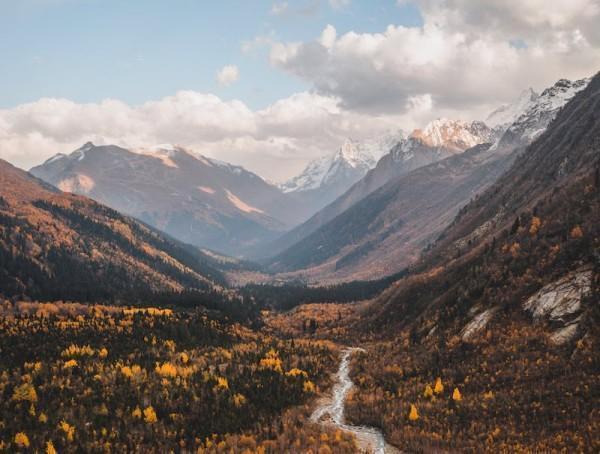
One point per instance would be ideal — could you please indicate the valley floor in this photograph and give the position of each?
(100, 378)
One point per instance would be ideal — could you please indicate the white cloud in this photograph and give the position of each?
(279, 8)
(328, 36)
(461, 63)
(463, 57)
(275, 142)
(227, 75)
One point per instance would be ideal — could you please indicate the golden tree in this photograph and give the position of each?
(413, 414)
(456, 396)
(22, 440)
(439, 387)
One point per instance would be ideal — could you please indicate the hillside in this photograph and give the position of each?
(503, 310)
(440, 139)
(55, 245)
(197, 200)
(386, 230)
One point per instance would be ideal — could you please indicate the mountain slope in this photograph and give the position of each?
(402, 216)
(503, 310)
(195, 199)
(537, 223)
(325, 179)
(63, 246)
(344, 167)
(440, 139)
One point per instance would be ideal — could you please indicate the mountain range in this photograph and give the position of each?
(365, 210)
(198, 200)
(381, 224)
(56, 245)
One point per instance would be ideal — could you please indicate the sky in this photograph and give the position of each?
(271, 84)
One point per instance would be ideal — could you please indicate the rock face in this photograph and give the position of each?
(477, 323)
(560, 303)
(561, 299)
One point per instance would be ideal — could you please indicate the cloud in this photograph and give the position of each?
(467, 56)
(279, 8)
(275, 142)
(227, 75)
(339, 4)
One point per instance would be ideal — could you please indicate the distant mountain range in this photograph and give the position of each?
(227, 209)
(198, 200)
(381, 224)
(527, 244)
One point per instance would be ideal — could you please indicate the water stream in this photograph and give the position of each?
(331, 411)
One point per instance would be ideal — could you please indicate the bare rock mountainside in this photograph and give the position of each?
(55, 245)
(195, 199)
(377, 228)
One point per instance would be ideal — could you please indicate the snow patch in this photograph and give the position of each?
(56, 157)
(241, 205)
(206, 189)
(539, 112)
(455, 135)
(360, 155)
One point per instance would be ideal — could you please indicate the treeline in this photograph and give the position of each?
(288, 296)
(109, 262)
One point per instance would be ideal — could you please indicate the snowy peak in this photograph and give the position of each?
(454, 135)
(504, 116)
(540, 112)
(345, 166)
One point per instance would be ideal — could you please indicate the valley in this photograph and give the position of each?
(437, 291)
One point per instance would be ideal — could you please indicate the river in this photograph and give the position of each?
(330, 411)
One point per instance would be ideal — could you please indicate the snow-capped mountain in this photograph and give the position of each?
(453, 135)
(505, 115)
(539, 112)
(345, 166)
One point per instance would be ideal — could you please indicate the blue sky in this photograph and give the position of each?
(137, 73)
(134, 50)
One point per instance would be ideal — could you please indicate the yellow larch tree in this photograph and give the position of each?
(439, 387)
(413, 414)
(456, 396)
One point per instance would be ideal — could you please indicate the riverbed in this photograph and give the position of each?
(330, 411)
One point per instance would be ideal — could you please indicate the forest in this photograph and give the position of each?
(94, 378)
